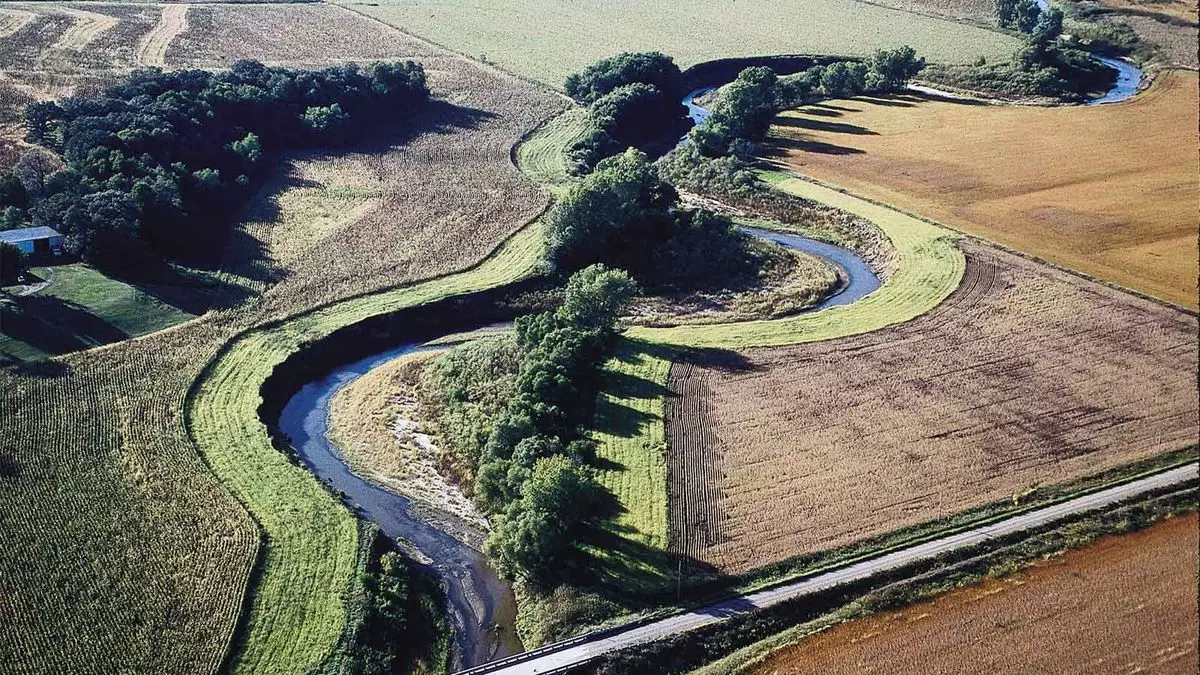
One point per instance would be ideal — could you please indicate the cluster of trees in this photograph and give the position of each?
(632, 99)
(157, 164)
(1044, 66)
(1022, 15)
(744, 108)
(624, 214)
(534, 473)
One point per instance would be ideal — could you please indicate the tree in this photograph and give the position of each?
(605, 75)
(620, 206)
(531, 536)
(12, 263)
(1049, 27)
(1028, 14)
(843, 79)
(1006, 12)
(595, 298)
(891, 69)
(33, 169)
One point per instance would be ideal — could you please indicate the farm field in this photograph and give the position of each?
(570, 36)
(1125, 603)
(976, 413)
(108, 503)
(1096, 189)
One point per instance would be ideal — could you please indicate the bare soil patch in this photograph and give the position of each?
(1123, 604)
(1025, 375)
(1109, 190)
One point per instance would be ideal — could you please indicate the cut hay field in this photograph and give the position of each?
(1123, 604)
(1111, 191)
(1024, 376)
(121, 551)
(548, 40)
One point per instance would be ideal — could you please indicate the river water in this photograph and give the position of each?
(481, 605)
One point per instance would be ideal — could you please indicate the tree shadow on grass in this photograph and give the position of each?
(56, 326)
(887, 100)
(820, 125)
(779, 146)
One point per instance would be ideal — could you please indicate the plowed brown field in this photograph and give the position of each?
(1123, 605)
(1024, 375)
(1112, 191)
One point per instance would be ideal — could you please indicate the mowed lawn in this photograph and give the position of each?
(1111, 191)
(549, 39)
(78, 309)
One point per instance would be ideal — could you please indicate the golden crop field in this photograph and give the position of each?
(549, 39)
(1111, 191)
(1025, 375)
(121, 549)
(1123, 604)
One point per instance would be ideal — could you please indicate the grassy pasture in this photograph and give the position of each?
(1064, 607)
(81, 308)
(547, 41)
(1110, 191)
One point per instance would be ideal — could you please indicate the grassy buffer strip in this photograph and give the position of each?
(296, 612)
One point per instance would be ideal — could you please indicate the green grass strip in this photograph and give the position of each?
(930, 268)
(542, 156)
(296, 610)
(630, 440)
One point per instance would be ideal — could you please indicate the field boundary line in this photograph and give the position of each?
(984, 241)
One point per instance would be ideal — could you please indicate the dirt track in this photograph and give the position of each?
(152, 50)
(1025, 375)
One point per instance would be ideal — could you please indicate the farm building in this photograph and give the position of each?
(34, 239)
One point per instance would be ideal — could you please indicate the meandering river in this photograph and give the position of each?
(481, 604)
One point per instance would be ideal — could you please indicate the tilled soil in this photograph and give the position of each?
(1026, 375)
(1125, 604)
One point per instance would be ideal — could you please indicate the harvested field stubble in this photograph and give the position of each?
(960, 407)
(1111, 190)
(297, 35)
(1124, 604)
(120, 551)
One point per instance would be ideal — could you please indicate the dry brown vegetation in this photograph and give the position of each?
(1110, 190)
(120, 550)
(1177, 44)
(976, 11)
(374, 423)
(1123, 604)
(1025, 375)
(302, 35)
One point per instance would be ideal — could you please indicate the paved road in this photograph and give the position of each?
(559, 657)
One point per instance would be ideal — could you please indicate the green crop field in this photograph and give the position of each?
(548, 40)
